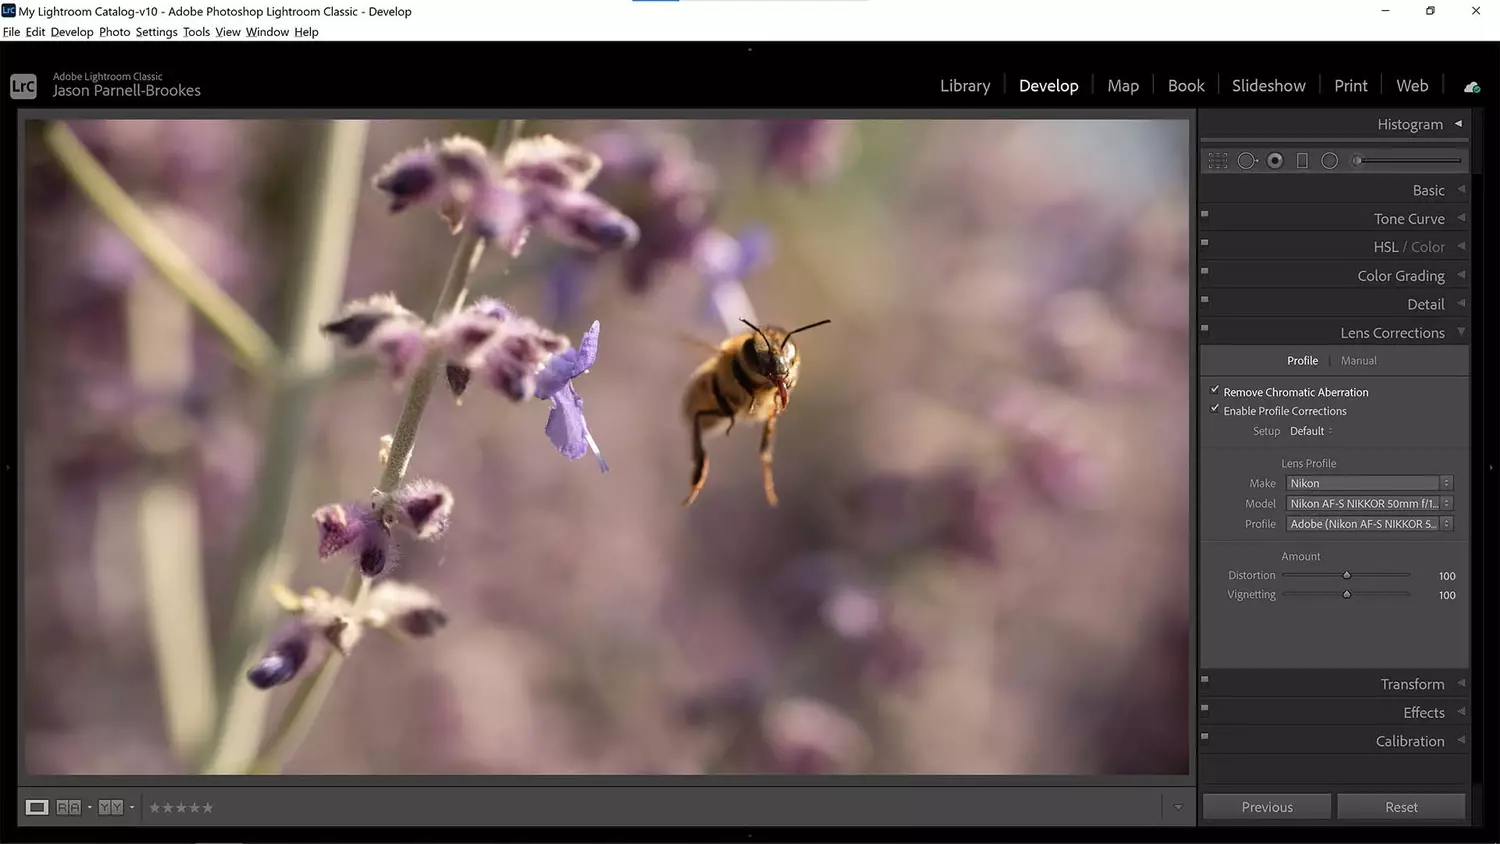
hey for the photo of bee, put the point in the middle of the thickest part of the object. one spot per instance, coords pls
(339, 396)
(750, 376)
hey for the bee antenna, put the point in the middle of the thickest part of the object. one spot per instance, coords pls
(757, 330)
(803, 328)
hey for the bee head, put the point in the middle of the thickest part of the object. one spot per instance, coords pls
(773, 360)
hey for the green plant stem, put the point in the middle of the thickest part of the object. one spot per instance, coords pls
(250, 343)
(303, 709)
(159, 331)
(316, 291)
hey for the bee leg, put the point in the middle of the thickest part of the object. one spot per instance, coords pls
(724, 409)
(700, 456)
(767, 441)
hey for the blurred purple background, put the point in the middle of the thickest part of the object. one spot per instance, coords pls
(979, 564)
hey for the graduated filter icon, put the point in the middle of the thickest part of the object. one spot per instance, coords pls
(1471, 88)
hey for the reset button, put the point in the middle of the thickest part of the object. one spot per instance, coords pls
(1402, 807)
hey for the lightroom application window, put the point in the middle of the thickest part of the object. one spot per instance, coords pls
(865, 421)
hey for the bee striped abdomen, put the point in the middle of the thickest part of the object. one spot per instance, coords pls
(725, 408)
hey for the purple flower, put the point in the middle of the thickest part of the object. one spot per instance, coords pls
(581, 220)
(660, 184)
(724, 261)
(566, 426)
(500, 214)
(379, 326)
(284, 657)
(545, 160)
(359, 528)
(519, 359)
(463, 334)
(452, 170)
(410, 178)
(806, 151)
(511, 361)
(540, 184)
(424, 508)
(405, 609)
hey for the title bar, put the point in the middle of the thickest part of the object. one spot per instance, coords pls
(760, 20)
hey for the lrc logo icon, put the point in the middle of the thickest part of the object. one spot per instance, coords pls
(23, 86)
(7, 10)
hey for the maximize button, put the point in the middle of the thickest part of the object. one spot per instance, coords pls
(1402, 807)
(1267, 807)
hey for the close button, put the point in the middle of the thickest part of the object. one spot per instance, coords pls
(1402, 807)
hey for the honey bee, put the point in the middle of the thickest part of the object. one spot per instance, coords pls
(750, 376)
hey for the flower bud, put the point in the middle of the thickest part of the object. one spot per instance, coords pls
(582, 220)
(410, 178)
(424, 508)
(406, 610)
(284, 657)
(381, 327)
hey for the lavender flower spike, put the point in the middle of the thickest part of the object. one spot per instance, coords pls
(566, 426)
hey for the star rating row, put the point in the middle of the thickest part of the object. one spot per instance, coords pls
(182, 808)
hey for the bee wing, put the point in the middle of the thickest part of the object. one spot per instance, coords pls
(698, 343)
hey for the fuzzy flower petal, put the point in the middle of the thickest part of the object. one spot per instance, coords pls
(545, 160)
(568, 430)
(381, 327)
(499, 214)
(581, 220)
(405, 609)
(509, 363)
(358, 528)
(492, 308)
(284, 657)
(464, 159)
(410, 178)
(424, 508)
(461, 334)
(564, 366)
